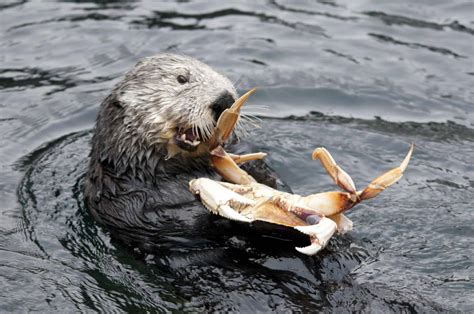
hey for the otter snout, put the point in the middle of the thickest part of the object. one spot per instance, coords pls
(222, 103)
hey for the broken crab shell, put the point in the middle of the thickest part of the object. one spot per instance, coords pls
(318, 215)
(257, 202)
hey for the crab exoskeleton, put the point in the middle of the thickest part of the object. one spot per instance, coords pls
(241, 198)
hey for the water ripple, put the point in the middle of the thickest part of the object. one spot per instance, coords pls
(390, 19)
(388, 39)
(362, 78)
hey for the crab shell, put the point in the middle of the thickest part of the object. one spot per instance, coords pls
(318, 215)
(258, 202)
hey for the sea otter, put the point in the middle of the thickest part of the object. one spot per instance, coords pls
(146, 146)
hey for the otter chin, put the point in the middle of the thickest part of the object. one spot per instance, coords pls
(150, 139)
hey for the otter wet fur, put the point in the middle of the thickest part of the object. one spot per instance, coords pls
(145, 150)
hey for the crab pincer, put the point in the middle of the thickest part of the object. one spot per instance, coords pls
(227, 120)
(226, 164)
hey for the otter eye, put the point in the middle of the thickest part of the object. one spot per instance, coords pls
(182, 79)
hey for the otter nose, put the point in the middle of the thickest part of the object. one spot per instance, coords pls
(224, 101)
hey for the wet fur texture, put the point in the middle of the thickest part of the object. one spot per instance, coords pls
(135, 185)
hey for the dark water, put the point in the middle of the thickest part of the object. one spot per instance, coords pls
(362, 78)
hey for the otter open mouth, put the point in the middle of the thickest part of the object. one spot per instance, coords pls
(187, 139)
(190, 138)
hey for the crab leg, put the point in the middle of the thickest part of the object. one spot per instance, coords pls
(226, 165)
(340, 177)
(387, 179)
(333, 203)
(343, 223)
(239, 159)
(228, 169)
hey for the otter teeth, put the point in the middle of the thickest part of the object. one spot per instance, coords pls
(194, 142)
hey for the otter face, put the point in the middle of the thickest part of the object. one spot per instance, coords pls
(175, 101)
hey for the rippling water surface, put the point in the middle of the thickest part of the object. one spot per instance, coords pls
(362, 78)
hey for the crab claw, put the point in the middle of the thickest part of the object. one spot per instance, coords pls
(228, 119)
(311, 249)
(319, 233)
(220, 200)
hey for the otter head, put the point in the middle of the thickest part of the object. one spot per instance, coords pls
(175, 101)
(167, 104)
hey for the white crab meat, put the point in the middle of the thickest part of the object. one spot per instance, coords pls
(220, 200)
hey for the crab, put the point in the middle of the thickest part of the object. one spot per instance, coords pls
(242, 198)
